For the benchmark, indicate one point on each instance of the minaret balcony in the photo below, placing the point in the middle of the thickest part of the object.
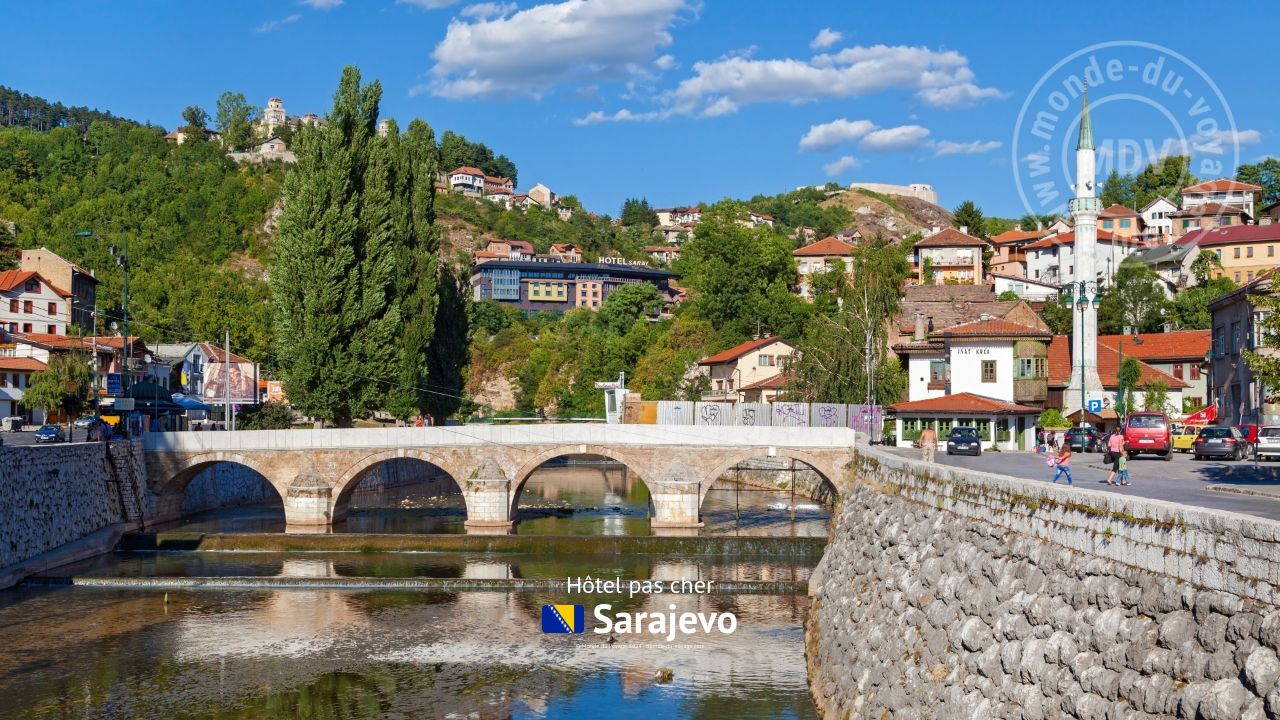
(1089, 205)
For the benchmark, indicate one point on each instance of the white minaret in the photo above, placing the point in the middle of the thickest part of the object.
(1084, 336)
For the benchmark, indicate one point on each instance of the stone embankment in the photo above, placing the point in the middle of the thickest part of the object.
(66, 502)
(953, 594)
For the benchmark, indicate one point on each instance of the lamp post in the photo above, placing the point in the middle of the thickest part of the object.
(122, 261)
(1082, 295)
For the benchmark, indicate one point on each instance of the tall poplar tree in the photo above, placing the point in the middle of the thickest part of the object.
(326, 289)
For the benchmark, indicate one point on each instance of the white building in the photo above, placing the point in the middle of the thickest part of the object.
(1157, 220)
(1224, 192)
(1053, 260)
(467, 180)
(31, 304)
(273, 116)
(1024, 288)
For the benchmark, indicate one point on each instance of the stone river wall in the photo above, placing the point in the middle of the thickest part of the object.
(55, 496)
(954, 594)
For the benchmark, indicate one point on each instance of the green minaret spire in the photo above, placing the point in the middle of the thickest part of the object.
(1086, 127)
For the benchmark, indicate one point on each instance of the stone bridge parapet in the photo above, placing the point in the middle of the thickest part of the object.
(315, 471)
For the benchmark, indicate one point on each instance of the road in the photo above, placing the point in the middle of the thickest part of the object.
(28, 437)
(1181, 480)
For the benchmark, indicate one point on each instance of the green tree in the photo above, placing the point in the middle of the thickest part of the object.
(332, 280)
(1155, 396)
(196, 120)
(1117, 189)
(1189, 309)
(1265, 173)
(1164, 178)
(234, 120)
(843, 356)
(1031, 221)
(267, 416)
(449, 352)
(1135, 299)
(1053, 418)
(65, 384)
(1205, 265)
(743, 276)
(1129, 376)
(1008, 295)
(967, 215)
(637, 211)
(1264, 361)
(1057, 316)
(628, 305)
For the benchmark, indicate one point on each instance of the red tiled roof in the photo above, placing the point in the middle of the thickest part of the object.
(216, 355)
(1219, 185)
(963, 404)
(1012, 236)
(1117, 210)
(25, 364)
(826, 246)
(48, 340)
(14, 279)
(950, 237)
(738, 351)
(1230, 235)
(995, 327)
(1069, 238)
(1210, 208)
(775, 382)
(1156, 347)
(468, 170)
(1108, 366)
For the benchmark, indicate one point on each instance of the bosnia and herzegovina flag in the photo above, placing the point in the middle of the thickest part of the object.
(564, 619)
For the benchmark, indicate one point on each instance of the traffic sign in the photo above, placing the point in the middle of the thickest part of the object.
(115, 384)
(1094, 406)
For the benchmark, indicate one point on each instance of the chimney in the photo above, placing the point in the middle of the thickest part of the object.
(1039, 225)
(936, 230)
(964, 229)
(1018, 227)
(920, 331)
(984, 317)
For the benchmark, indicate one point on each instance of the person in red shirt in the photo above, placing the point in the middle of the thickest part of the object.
(1115, 448)
(1064, 464)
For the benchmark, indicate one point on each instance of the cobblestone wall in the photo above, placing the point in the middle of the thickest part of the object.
(951, 594)
(54, 495)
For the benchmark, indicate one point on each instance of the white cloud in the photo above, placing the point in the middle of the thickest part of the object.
(623, 115)
(940, 78)
(321, 4)
(948, 147)
(428, 4)
(722, 106)
(270, 25)
(1230, 137)
(487, 10)
(534, 50)
(844, 164)
(666, 62)
(829, 135)
(825, 38)
(902, 137)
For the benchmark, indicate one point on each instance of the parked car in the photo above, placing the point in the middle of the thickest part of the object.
(1250, 433)
(964, 440)
(1083, 440)
(1225, 442)
(1148, 432)
(49, 433)
(1185, 436)
(13, 423)
(84, 421)
(1268, 442)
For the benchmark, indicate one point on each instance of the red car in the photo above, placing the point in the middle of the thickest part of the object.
(1250, 433)
(1148, 432)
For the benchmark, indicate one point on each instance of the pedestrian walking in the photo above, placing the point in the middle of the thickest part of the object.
(1063, 464)
(928, 443)
(1123, 464)
(1051, 443)
(1115, 451)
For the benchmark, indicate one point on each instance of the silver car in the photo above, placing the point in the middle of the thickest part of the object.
(1268, 442)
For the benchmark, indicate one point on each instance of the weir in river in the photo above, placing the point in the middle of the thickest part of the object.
(398, 612)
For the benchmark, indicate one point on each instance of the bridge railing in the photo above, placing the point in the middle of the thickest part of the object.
(479, 435)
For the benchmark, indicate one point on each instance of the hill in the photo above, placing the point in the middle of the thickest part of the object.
(896, 216)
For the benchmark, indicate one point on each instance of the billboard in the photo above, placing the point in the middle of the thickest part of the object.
(243, 380)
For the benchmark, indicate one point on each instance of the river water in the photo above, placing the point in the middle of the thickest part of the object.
(137, 651)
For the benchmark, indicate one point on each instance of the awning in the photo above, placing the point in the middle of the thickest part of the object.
(1202, 417)
(188, 403)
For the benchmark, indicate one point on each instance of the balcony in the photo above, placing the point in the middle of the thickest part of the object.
(1030, 390)
(720, 396)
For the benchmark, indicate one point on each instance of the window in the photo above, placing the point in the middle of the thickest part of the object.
(1271, 251)
(1248, 252)
(1125, 223)
(937, 371)
(53, 329)
(1237, 277)
(1106, 224)
(1195, 371)
(28, 307)
(1219, 252)
(13, 305)
(26, 327)
(765, 361)
(988, 371)
(32, 286)
(1219, 341)
(1226, 220)
(1235, 338)
(1235, 253)
(1177, 370)
(1249, 276)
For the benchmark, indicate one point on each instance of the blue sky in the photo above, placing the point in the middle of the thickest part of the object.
(682, 101)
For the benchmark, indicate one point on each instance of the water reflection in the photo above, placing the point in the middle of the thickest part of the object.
(335, 654)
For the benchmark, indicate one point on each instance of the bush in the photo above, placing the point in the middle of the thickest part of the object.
(268, 416)
(911, 435)
(1053, 418)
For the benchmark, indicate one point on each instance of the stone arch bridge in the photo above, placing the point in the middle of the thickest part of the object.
(315, 471)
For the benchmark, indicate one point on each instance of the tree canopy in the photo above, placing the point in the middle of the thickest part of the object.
(456, 151)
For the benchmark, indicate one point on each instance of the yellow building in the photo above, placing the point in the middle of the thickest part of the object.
(952, 257)
(1246, 251)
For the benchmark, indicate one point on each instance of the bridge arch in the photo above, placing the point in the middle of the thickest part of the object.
(632, 463)
(351, 477)
(171, 489)
(825, 470)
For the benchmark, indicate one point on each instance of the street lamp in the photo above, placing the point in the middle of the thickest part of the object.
(1083, 295)
(121, 257)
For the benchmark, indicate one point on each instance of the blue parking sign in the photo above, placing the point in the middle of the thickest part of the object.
(115, 384)
(1094, 406)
